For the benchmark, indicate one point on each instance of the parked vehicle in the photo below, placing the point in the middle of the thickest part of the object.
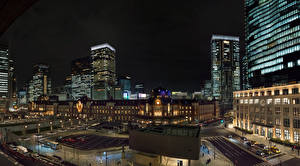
(244, 138)
(274, 149)
(263, 146)
(267, 151)
(260, 153)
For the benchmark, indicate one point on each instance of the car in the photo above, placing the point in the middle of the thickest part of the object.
(229, 136)
(260, 153)
(274, 149)
(267, 151)
(244, 138)
(249, 143)
(263, 146)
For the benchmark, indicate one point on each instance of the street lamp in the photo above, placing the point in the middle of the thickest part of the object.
(51, 126)
(39, 125)
(61, 124)
(25, 128)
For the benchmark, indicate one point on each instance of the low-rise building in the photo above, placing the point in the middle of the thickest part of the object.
(151, 111)
(272, 112)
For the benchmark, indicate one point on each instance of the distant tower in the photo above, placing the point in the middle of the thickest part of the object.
(82, 78)
(4, 72)
(104, 71)
(225, 69)
(40, 85)
(125, 83)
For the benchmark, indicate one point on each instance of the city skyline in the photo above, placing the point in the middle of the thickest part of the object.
(150, 83)
(150, 45)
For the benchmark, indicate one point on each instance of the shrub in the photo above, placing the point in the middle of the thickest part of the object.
(244, 130)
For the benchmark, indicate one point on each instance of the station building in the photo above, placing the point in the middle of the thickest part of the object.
(159, 109)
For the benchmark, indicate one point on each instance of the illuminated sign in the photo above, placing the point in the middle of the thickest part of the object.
(79, 106)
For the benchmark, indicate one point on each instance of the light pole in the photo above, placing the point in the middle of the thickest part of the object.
(25, 128)
(61, 124)
(51, 126)
(39, 128)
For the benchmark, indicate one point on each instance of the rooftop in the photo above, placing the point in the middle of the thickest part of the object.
(223, 37)
(173, 130)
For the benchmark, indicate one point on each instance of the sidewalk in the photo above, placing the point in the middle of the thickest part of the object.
(220, 159)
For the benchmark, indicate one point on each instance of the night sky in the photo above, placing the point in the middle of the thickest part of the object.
(158, 42)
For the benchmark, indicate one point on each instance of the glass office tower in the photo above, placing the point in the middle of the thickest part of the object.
(82, 78)
(4, 68)
(272, 36)
(225, 69)
(104, 71)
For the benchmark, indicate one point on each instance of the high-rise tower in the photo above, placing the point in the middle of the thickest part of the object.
(104, 71)
(272, 36)
(225, 69)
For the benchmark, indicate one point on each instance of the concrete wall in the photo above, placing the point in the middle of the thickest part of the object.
(183, 147)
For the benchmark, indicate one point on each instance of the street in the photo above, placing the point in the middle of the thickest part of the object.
(237, 155)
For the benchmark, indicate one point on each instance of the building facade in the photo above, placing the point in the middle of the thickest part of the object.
(225, 69)
(272, 38)
(159, 109)
(40, 85)
(4, 72)
(272, 112)
(104, 71)
(82, 78)
(125, 83)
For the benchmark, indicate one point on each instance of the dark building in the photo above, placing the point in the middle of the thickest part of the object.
(82, 78)
(272, 36)
(40, 85)
(125, 83)
(81, 66)
(225, 69)
(139, 88)
(12, 86)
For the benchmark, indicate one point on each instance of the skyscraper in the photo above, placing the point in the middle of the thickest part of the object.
(40, 85)
(225, 69)
(272, 36)
(4, 68)
(125, 83)
(104, 71)
(12, 86)
(82, 78)
(4, 79)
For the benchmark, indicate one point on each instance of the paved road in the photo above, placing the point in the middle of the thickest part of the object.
(5, 161)
(233, 152)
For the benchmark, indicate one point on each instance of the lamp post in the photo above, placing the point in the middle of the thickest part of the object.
(61, 124)
(39, 125)
(25, 128)
(51, 126)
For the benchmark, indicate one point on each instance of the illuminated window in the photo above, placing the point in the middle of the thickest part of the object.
(277, 101)
(256, 101)
(291, 64)
(250, 101)
(269, 101)
(286, 101)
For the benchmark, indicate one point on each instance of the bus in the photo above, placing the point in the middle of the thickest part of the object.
(51, 144)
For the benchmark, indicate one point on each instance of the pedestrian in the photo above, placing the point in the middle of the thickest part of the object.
(292, 148)
(202, 154)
